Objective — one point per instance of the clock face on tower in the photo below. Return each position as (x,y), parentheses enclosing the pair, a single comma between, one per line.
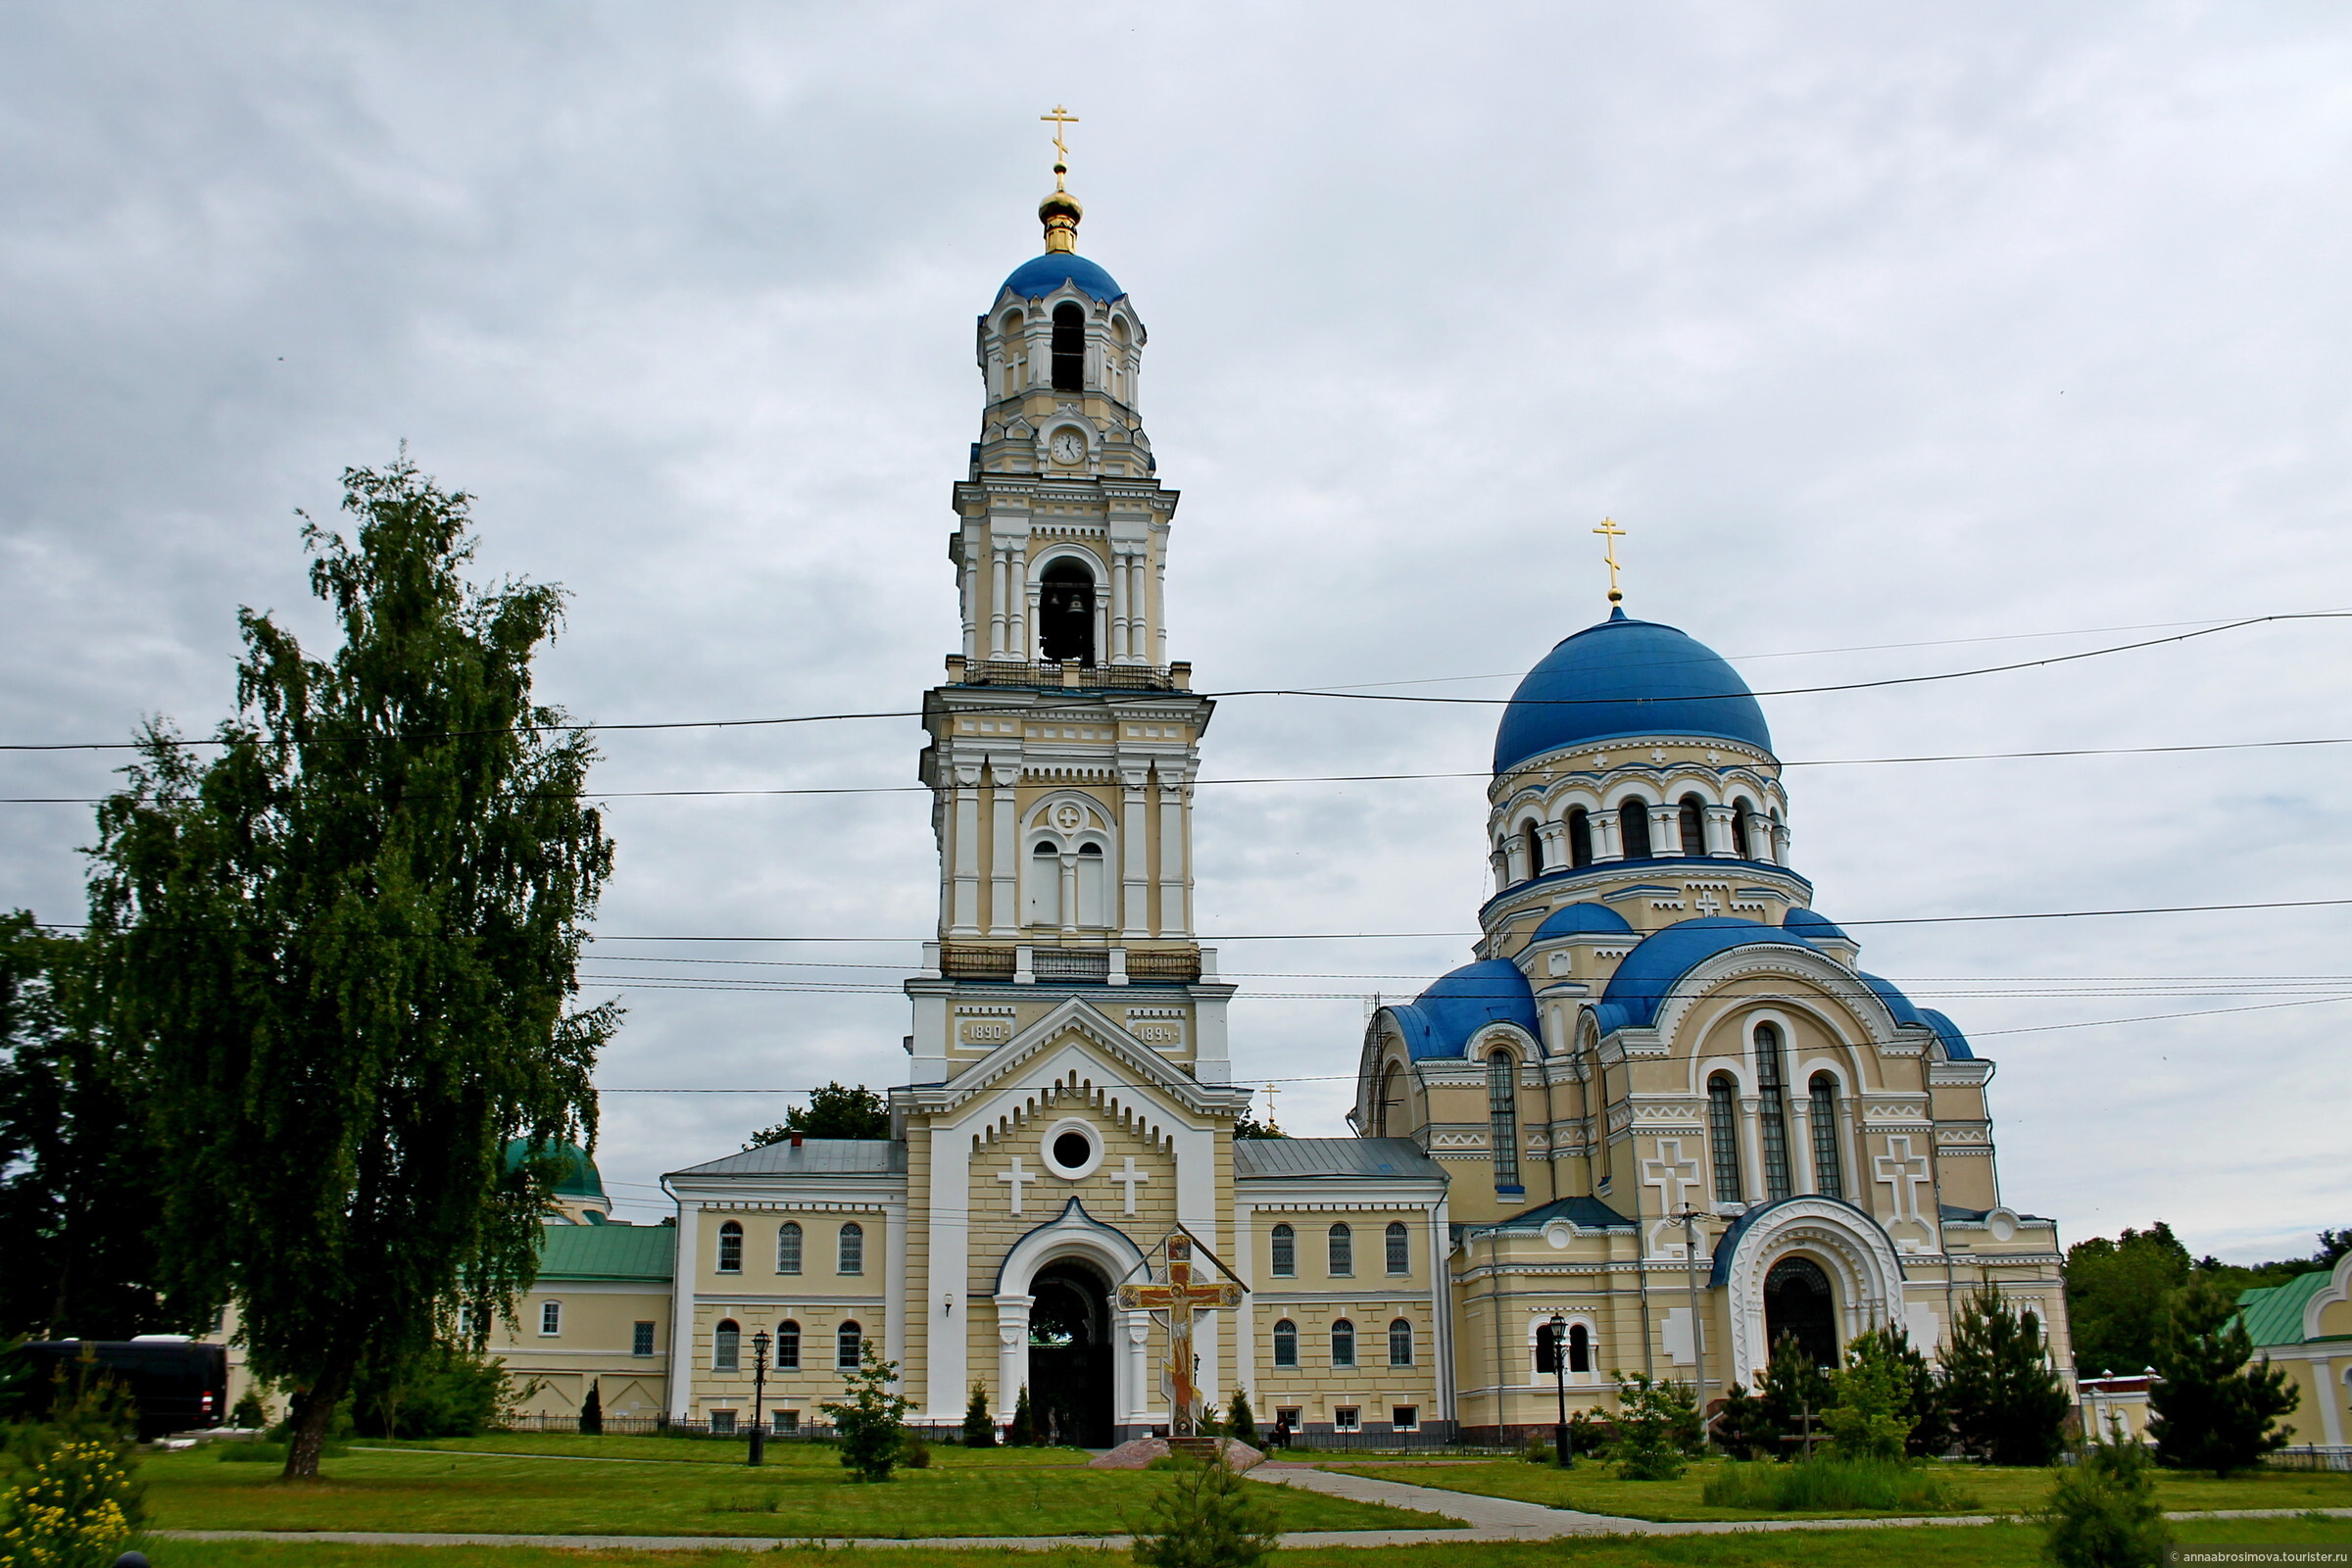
(1068,446)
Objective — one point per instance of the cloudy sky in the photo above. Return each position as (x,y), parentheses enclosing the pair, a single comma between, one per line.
(1902,339)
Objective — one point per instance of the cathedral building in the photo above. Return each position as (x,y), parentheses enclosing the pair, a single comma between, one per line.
(1663,1119)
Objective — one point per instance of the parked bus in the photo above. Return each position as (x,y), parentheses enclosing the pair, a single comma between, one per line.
(177,1383)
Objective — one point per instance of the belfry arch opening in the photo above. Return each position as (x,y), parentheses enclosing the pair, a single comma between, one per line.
(1798,1305)
(1066,614)
(1070,1354)
(1070,348)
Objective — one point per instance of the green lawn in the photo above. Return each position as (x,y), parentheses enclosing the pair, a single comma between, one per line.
(1976,1546)
(709,1451)
(806,1492)
(1592,1487)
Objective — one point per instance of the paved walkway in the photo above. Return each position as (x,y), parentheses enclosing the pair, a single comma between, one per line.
(1484,1519)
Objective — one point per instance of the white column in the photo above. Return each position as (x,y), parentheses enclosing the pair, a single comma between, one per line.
(971,599)
(1157,611)
(1665,830)
(1175,882)
(1139,612)
(1751,1140)
(965,829)
(1719,831)
(1779,844)
(1012,1350)
(1135,1355)
(1555,846)
(1000,630)
(688,1264)
(1800,1140)
(1004,891)
(893,1284)
(1069,893)
(1607,837)
(1135,865)
(1117,653)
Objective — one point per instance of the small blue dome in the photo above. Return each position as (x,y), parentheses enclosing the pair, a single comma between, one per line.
(1812,927)
(1626,677)
(1441,1020)
(1955,1044)
(1580,919)
(1645,975)
(1036,278)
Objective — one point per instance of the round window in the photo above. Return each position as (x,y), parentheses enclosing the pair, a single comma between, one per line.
(1072,1149)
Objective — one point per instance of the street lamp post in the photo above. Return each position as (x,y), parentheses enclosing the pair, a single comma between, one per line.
(1689,1217)
(760,1343)
(1559,1382)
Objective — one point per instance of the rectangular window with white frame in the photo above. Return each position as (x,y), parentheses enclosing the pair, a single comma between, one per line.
(550,1318)
(1405,1418)
(722,1423)
(1346,1418)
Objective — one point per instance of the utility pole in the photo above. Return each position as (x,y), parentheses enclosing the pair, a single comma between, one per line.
(1689,1218)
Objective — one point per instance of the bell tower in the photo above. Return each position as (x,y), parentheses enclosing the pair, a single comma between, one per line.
(1064,744)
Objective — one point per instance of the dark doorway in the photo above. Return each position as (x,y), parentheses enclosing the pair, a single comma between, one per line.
(1798,1304)
(1065,614)
(1069,1354)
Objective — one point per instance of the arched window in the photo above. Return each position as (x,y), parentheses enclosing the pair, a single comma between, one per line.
(1535,848)
(1693,816)
(787,1248)
(1633,825)
(1580,836)
(1070,348)
(846,1341)
(730,1249)
(1342,1250)
(1286,1344)
(1723,1135)
(1829,1179)
(1094,903)
(1044,895)
(1400,1341)
(1502,1115)
(1066,614)
(726,1346)
(1399,1248)
(1548,1355)
(852,1249)
(788,1346)
(1286,1250)
(1740,811)
(1580,1348)
(1016,353)
(1343,1343)
(1772,1112)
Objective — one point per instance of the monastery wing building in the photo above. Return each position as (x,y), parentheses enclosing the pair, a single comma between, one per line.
(1665,1106)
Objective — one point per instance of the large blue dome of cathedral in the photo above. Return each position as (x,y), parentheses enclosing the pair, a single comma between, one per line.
(1040,277)
(1627,677)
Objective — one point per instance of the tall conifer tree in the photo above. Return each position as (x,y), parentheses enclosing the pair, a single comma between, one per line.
(347,939)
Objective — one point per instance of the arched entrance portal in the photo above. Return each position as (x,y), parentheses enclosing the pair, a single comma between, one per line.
(1070,1368)
(1798,1304)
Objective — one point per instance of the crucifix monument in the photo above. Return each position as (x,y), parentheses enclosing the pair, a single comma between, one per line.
(1175,1296)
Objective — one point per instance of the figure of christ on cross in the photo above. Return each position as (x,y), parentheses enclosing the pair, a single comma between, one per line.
(1179,1297)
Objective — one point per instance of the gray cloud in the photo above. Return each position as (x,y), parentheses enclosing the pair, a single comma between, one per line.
(1875,326)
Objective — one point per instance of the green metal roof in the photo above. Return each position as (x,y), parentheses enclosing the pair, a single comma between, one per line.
(2274,1314)
(647,1252)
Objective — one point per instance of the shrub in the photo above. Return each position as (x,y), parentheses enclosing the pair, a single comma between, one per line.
(869,1427)
(2007,1407)
(2212,1410)
(1022,1433)
(1792,1395)
(592,1411)
(74,1507)
(1868,1419)
(443,1390)
(1740,1427)
(1539,1451)
(249,1412)
(2102,1511)
(1658,1428)
(1241,1421)
(915,1453)
(1834,1486)
(979,1427)
(1206,1519)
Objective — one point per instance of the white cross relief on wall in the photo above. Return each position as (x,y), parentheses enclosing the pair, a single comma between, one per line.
(1017,1178)
(1903,1171)
(1674,1177)
(1127,1176)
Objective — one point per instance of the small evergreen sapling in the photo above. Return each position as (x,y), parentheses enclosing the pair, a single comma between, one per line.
(1206,1519)
(1658,1428)
(2007,1407)
(1241,1422)
(2102,1511)
(2211,1410)
(871,1426)
(592,1411)
(1868,1417)
(1022,1434)
(1791,1398)
(1741,1427)
(979,1427)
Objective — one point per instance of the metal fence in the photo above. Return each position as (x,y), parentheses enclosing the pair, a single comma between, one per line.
(2312,1456)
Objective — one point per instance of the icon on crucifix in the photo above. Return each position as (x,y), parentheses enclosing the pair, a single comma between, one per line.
(1172,1296)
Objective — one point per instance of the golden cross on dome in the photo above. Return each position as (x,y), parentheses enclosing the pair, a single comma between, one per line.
(1608,529)
(1061,118)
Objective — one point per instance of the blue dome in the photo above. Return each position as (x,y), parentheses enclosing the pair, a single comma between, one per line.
(1035,279)
(1955,1044)
(1626,677)
(1441,1020)
(1646,975)
(1812,927)
(1580,919)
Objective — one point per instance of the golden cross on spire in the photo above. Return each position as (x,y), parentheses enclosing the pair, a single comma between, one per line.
(1061,118)
(1610,530)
